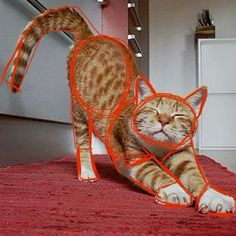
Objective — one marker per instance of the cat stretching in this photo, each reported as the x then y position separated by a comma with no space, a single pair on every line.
106,95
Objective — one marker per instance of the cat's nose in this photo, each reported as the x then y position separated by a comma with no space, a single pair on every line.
164,119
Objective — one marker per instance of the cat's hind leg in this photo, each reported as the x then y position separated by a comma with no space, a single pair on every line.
82,129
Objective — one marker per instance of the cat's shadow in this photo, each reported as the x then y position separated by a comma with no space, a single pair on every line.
108,172
105,169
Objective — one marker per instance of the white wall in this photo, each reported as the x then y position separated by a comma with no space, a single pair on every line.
45,91
172,28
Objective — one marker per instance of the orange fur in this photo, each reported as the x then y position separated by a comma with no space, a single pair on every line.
104,95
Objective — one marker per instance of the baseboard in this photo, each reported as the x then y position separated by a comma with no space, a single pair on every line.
6,116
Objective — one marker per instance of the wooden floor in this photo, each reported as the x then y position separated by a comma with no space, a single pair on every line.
26,141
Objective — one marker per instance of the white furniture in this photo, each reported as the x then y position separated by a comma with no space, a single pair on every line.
217,70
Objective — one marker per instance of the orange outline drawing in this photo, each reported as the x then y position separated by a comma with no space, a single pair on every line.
117,109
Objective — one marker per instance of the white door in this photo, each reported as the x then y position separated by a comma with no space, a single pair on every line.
217,70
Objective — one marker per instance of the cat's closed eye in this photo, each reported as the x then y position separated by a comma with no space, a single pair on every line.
179,115
153,110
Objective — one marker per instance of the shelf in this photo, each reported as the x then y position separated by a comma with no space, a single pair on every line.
135,15
135,45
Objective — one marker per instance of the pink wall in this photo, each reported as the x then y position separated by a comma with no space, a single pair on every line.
115,19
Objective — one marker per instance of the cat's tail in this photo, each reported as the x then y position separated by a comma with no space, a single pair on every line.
54,20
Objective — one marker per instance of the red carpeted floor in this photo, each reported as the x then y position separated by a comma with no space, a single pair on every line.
47,199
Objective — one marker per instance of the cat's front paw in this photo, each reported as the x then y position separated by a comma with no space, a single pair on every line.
213,201
174,194
87,174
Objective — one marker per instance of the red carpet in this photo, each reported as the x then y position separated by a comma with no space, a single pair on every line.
46,199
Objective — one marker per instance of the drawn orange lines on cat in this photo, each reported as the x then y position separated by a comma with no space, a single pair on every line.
113,100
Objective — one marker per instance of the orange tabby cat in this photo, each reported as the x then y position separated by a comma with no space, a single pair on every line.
104,98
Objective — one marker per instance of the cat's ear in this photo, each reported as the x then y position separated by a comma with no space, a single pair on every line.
197,99
142,89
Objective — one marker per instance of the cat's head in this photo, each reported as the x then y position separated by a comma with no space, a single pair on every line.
163,117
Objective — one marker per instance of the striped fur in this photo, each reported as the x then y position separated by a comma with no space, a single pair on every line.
99,73
62,19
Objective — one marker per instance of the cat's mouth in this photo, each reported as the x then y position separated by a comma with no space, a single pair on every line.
161,131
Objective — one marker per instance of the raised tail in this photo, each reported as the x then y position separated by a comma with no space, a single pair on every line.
58,19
